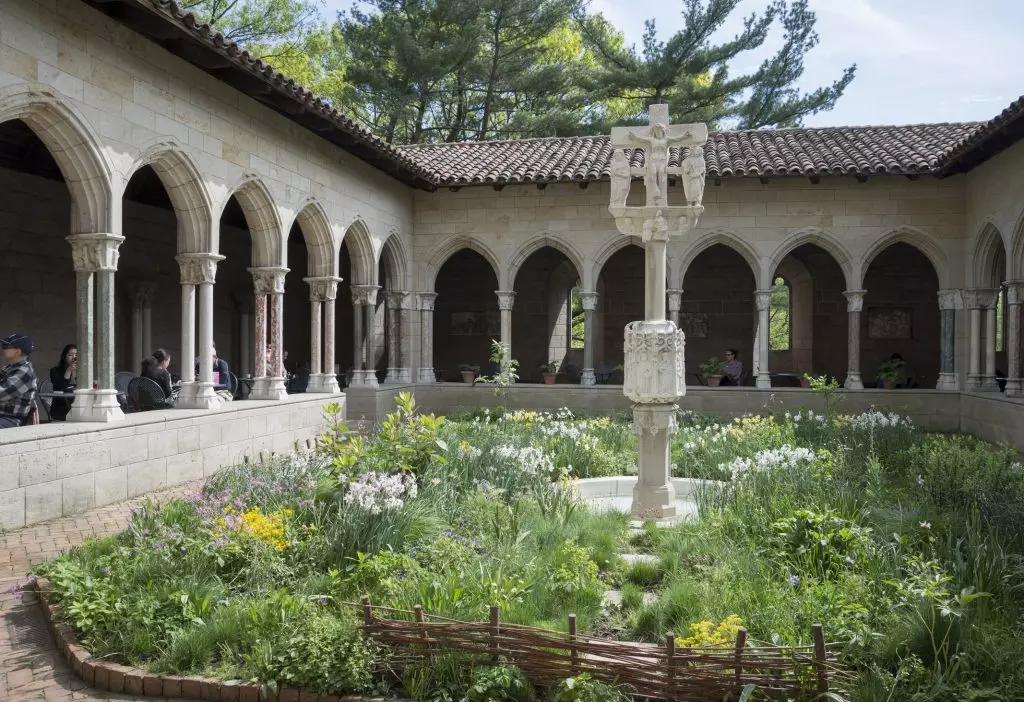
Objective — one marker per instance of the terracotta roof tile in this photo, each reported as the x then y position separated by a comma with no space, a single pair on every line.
971,148
908,150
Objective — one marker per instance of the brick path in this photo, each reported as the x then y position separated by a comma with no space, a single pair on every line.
30,666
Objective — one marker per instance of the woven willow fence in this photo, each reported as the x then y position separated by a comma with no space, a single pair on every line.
665,672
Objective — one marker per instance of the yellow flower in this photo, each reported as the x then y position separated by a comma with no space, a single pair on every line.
709,633
268,528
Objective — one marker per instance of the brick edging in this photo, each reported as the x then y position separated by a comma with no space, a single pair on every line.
122,679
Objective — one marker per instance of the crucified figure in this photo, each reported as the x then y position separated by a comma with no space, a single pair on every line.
656,171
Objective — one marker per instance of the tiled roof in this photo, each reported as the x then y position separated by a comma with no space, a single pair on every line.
989,138
909,150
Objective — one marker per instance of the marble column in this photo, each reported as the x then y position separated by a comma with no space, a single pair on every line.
198,274
949,302
675,302
506,302
427,300
988,378
330,381
854,306
588,300
141,294
764,304
1012,311
322,292
95,258
399,370
268,301
364,306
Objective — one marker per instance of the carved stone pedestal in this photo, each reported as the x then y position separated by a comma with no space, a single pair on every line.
654,495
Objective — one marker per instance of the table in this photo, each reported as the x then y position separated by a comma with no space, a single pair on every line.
52,395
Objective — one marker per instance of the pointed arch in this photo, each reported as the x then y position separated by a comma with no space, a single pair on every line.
76,150
316,232
609,249
712,238
913,236
262,218
987,246
185,189
360,250
1015,262
449,248
823,239
395,260
536,244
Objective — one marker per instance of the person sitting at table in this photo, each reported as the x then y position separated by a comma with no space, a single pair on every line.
63,377
155,368
17,381
221,372
733,368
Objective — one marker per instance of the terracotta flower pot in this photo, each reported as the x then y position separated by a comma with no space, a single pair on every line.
888,384
714,381
549,378
468,376
805,383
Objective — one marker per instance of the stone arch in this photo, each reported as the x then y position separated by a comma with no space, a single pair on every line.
1015,261
395,260
449,248
360,250
912,236
823,239
262,218
316,232
536,244
76,150
987,247
709,239
612,247
186,191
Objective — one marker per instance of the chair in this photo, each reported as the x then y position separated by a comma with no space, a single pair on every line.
33,414
233,385
45,386
144,394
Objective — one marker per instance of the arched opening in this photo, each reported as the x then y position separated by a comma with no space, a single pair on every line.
234,332
780,316
620,300
718,310
542,316
297,314
391,319
901,316
344,353
466,315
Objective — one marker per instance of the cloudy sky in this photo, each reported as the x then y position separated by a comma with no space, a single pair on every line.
917,60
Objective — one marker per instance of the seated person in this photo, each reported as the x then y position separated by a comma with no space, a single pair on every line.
17,381
733,368
63,377
221,373
155,368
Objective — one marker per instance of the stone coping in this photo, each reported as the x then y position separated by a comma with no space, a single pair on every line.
121,679
622,486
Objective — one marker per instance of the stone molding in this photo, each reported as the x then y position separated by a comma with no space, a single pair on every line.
675,300
268,280
198,269
763,300
588,301
854,300
94,252
980,298
427,301
398,299
1014,292
365,294
322,289
655,419
506,300
951,299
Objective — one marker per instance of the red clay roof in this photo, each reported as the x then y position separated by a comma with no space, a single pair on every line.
989,139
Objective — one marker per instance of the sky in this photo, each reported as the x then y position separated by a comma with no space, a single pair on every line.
918,61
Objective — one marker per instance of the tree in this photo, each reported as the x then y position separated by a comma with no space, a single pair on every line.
266,23
692,75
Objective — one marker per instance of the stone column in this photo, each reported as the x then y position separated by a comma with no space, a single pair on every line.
854,305
268,288
399,370
364,305
764,304
1012,310
142,294
95,258
972,301
675,302
506,301
198,273
322,292
988,379
949,302
427,300
330,381
588,300
357,338
405,302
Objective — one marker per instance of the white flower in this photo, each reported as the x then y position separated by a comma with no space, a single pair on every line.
376,492
769,460
926,525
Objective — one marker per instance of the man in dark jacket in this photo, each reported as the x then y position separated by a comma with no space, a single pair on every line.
17,381
221,373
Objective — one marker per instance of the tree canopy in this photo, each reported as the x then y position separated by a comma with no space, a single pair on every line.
418,71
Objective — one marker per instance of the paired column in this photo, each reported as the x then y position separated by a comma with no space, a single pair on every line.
588,300
95,259
949,302
322,292
198,274
854,306
506,301
142,294
1012,310
764,304
268,344
364,307
399,366
982,304
675,302
427,300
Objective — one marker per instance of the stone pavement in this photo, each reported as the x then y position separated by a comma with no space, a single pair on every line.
30,666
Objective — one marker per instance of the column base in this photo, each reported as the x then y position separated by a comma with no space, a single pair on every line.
588,377
1013,387
989,384
654,502
654,495
764,381
949,381
269,389
427,375
323,383
96,406
196,395
364,379
853,381
399,376
974,382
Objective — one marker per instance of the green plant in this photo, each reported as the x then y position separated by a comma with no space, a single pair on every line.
827,388
711,367
890,371
469,368
819,543
504,683
584,688
508,369
549,367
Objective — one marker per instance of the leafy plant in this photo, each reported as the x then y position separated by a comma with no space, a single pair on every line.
584,688
549,367
827,388
469,368
508,369
711,367
504,683
890,371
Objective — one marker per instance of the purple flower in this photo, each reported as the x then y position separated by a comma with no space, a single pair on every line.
106,570
322,600
794,580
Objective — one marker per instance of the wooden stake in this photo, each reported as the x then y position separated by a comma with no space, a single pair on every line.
818,632
418,611
741,641
573,654
670,662
494,633
367,611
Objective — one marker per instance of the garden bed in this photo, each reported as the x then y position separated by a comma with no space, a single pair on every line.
905,546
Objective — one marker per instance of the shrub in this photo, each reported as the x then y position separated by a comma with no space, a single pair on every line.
503,683
584,688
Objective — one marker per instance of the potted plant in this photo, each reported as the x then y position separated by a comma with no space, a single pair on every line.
889,372
469,372
549,371
712,371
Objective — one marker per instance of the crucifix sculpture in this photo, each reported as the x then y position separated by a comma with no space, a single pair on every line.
654,365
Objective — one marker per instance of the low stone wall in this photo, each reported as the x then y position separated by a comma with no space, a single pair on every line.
54,470
993,417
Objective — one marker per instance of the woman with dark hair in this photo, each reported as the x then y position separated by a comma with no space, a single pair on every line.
733,368
155,368
63,376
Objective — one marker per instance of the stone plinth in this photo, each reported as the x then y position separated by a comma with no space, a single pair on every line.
654,495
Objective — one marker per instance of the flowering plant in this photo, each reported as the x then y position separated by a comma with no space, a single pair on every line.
374,493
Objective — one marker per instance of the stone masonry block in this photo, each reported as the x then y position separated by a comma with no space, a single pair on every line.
75,458
183,467
78,493
112,485
37,467
128,450
12,508
147,476
43,501
188,439
162,444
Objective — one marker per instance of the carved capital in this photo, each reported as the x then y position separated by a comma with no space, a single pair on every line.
588,300
854,300
1014,292
398,299
763,299
198,269
980,298
94,252
951,299
675,300
506,300
364,294
322,289
268,280
655,420
427,300
142,293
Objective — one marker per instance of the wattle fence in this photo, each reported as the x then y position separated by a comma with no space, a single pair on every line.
663,672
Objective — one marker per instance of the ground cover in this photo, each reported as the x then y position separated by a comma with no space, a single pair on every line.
905,546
